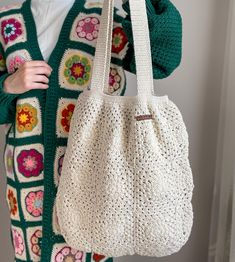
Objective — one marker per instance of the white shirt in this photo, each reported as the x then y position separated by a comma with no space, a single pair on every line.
49,16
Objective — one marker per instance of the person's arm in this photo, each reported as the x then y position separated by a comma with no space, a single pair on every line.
30,75
7,100
165,25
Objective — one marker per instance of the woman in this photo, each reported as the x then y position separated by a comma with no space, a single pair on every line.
47,48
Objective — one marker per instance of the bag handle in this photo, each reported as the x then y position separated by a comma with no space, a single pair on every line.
140,29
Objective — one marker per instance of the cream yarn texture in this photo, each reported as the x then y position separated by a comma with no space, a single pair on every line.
126,184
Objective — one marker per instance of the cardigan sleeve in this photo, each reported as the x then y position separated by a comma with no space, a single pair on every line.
7,100
165,25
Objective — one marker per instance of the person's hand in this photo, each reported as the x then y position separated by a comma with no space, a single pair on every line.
30,75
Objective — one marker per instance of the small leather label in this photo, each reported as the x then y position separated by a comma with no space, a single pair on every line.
143,117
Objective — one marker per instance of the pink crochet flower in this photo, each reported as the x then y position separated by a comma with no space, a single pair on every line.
18,242
11,29
69,254
114,80
35,241
34,203
88,28
15,63
30,163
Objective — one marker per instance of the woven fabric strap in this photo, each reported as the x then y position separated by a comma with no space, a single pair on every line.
140,29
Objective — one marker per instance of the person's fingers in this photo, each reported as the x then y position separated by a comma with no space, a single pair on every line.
37,71
41,71
36,63
39,86
40,79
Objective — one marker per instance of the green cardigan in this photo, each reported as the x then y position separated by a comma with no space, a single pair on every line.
36,123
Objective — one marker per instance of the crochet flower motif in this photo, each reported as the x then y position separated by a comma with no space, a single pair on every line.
26,117
30,163
35,242
9,161
15,63
97,257
67,113
68,254
88,28
11,29
77,70
114,80
12,202
119,40
34,203
2,63
18,242
61,159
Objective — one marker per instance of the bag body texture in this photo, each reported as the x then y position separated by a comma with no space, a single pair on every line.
126,183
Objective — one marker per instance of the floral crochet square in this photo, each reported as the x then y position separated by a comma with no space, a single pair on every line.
85,28
75,70
9,161
34,241
119,41
28,117
13,204
29,162
18,242
32,203
13,30
64,114
16,59
117,80
59,157
62,252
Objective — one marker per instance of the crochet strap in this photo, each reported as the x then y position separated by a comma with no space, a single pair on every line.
140,29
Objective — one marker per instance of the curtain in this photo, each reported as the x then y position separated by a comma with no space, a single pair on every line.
222,231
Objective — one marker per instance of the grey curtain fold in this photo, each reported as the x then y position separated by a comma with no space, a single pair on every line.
222,231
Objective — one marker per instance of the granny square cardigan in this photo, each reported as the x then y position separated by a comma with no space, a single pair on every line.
36,123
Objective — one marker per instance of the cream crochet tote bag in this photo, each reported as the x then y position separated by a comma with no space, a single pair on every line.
126,184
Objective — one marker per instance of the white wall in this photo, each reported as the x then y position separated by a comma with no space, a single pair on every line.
195,87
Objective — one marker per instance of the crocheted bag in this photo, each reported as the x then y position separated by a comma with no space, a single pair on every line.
126,184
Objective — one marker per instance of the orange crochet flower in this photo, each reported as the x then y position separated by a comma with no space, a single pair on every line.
12,202
26,117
